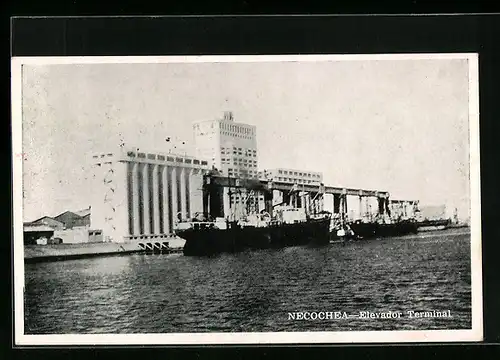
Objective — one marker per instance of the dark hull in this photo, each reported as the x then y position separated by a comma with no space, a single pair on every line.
426,223
204,242
456,226
372,230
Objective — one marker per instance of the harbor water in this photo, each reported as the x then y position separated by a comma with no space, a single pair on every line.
256,291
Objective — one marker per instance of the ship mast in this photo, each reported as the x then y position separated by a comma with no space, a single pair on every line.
229,194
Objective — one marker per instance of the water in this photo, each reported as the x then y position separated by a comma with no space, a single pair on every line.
255,291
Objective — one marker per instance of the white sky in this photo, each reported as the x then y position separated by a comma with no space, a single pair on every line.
394,125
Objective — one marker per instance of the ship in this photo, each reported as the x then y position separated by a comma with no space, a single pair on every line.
340,230
375,229
289,227
343,228
436,224
435,218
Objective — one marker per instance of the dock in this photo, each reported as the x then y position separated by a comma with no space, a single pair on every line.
310,196
46,253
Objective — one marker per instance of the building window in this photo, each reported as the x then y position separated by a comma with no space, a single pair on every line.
196,161
161,157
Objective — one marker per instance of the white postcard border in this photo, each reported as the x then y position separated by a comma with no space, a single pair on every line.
421,336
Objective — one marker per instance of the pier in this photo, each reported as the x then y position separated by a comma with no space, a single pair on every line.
46,253
304,195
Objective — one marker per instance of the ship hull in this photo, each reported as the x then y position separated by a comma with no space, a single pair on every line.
434,223
373,230
206,242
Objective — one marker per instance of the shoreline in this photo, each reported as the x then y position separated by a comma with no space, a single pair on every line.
62,252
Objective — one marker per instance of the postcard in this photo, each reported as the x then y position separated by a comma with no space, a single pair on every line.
305,199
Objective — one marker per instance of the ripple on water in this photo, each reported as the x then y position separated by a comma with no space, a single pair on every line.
255,291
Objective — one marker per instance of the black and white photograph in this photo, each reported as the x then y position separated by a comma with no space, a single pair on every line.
246,199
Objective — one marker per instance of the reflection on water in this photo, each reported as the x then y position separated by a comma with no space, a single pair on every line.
255,291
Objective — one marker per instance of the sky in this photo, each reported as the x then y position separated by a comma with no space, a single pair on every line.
392,125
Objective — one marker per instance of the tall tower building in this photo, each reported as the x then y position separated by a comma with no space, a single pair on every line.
231,148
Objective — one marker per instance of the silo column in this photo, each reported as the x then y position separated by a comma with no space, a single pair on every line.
156,201
174,195
166,204
183,174
136,221
145,199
